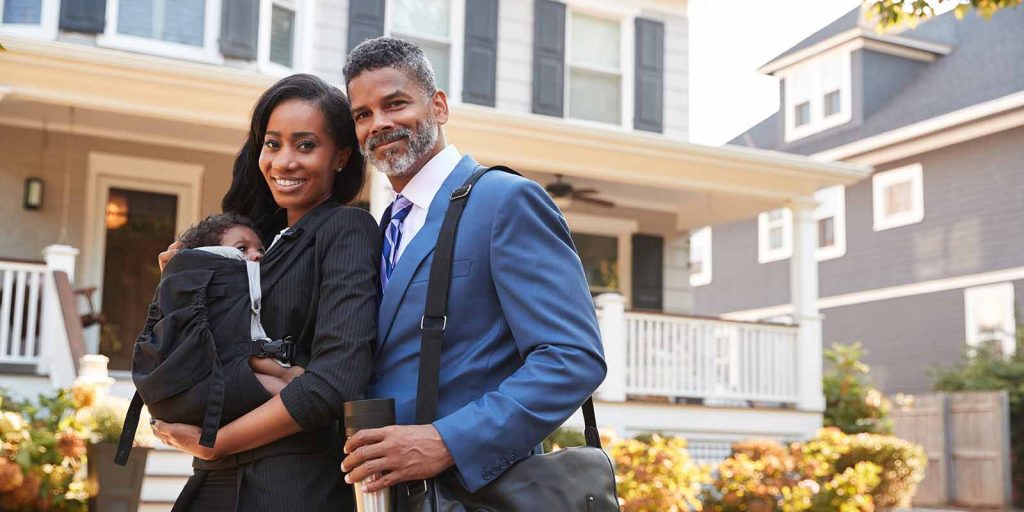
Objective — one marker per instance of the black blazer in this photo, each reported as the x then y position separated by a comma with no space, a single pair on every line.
328,260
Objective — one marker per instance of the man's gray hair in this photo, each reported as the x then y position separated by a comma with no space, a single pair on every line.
388,52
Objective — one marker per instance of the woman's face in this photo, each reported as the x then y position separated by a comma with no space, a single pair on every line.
299,158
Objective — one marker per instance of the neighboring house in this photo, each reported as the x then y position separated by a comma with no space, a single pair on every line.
124,117
927,257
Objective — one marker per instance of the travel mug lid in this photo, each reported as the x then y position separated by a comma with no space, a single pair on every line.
374,413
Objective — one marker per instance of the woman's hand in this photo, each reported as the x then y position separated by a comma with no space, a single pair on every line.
183,437
169,253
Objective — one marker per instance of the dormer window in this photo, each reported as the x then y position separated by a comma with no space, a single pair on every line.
817,94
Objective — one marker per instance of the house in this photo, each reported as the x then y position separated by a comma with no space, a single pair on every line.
925,258
119,123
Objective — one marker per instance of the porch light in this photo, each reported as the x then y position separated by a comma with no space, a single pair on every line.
117,211
33,193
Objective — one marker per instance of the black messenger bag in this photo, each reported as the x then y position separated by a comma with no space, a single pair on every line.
574,479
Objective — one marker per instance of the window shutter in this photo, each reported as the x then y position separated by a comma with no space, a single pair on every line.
648,271
87,16
480,65
365,21
549,58
650,75
239,28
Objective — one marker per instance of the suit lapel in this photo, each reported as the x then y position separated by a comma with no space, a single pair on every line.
303,233
420,247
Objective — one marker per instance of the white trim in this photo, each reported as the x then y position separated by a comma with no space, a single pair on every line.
882,181
998,299
115,133
857,35
455,42
813,72
301,49
928,127
765,253
106,170
892,292
601,225
836,209
49,16
208,53
627,41
703,277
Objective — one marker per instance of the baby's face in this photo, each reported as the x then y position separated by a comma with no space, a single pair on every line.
245,240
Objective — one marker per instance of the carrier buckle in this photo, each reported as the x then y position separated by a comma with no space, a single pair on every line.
282,350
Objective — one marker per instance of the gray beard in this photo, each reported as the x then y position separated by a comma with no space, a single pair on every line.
394,164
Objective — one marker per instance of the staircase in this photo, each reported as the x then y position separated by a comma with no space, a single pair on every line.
167,470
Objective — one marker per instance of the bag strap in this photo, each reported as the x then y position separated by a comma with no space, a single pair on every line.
435,314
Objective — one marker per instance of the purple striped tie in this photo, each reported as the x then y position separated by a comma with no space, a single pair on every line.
393,237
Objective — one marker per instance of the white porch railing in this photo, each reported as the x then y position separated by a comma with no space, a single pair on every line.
21,294
701,358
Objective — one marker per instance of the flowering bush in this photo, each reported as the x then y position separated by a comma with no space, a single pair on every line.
656,474
43,447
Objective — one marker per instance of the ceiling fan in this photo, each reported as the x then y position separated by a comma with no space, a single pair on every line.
564,191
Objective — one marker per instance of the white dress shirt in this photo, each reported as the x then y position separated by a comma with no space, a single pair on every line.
421,190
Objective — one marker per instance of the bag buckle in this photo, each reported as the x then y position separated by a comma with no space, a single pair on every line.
461,192
283,350
444,322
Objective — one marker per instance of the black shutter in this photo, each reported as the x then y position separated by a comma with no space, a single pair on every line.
648,271
365,21
239,28
480,65
649,103
549,58
87,16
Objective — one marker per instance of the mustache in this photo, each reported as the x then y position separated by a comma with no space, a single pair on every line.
387,137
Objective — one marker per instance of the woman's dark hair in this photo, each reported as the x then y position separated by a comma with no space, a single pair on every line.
209,231
249,193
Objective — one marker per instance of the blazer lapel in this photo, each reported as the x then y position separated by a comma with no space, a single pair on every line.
303,233
420,247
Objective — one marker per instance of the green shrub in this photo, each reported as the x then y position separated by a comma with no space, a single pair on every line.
902,466
656,474
852,404
564,438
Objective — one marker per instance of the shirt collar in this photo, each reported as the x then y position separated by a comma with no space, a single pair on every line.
422,188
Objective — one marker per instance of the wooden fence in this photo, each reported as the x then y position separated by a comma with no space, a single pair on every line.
967,439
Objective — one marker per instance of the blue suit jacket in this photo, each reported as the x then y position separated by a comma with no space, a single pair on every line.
522,349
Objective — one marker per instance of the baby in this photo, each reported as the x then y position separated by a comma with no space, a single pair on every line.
233,230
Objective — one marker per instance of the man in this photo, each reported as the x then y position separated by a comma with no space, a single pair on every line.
521,349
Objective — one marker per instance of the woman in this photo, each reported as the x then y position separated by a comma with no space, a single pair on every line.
299,164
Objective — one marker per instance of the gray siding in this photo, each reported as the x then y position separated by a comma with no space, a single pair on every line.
677,77
898,73
972,224
331,28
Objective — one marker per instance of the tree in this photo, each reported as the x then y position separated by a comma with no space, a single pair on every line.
892,13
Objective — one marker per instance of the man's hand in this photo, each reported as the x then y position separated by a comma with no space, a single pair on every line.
183,437
168,254
398,453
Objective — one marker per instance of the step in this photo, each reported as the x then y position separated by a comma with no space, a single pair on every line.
167,470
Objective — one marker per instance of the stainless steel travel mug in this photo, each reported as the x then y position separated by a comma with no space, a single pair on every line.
366,414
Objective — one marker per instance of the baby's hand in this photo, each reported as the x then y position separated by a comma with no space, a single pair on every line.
168,254
293,372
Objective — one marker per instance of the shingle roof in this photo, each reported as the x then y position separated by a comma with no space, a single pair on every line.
985,64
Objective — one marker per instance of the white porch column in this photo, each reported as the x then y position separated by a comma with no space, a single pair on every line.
93,371
612,307
381,193
804,295
54,353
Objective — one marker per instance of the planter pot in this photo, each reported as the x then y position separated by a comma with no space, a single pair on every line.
119,486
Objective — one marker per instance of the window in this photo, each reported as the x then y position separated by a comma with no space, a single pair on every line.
832,103
282,35
700,257
817,94
802,114
29,17
186,29
831,216
595,69
774,235
990,316
600,257
427,23
281,45
898,197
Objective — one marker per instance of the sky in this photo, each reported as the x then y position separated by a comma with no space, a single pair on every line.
729,40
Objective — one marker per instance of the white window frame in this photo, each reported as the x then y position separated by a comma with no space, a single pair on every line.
208,53
766,254
1001,292
622,229
301,46
812,70
703,277
881,182
49,16
455,42
832,203
627,40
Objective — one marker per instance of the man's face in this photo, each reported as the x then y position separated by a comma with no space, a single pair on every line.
397,124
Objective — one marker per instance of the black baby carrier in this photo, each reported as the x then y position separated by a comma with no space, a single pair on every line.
190,363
